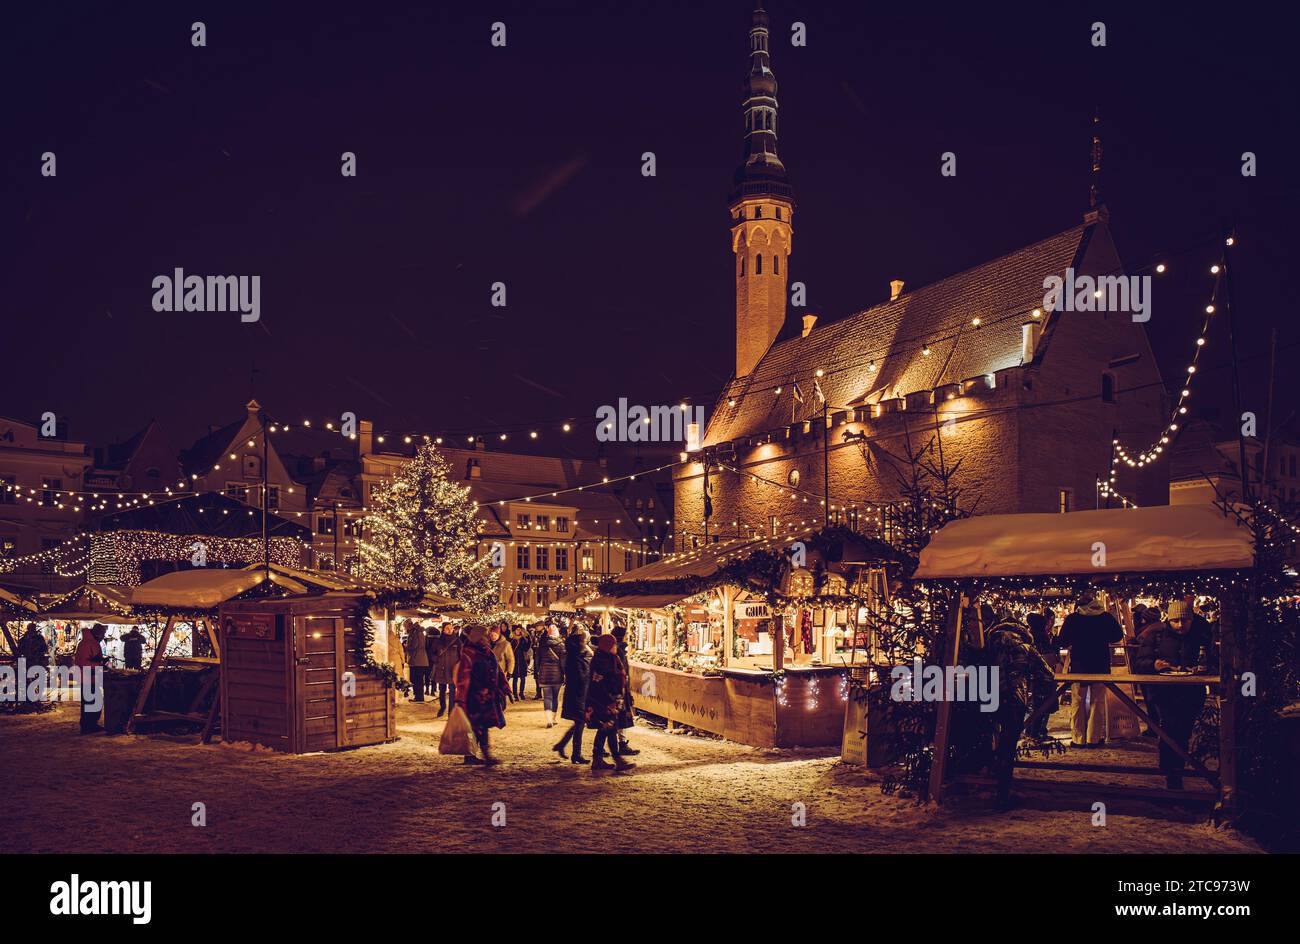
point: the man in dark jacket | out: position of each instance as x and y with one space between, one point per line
434 642
1088 633
1170 646
577 672
443 670
133 649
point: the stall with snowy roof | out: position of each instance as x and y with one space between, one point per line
294 649
752 639
1162 552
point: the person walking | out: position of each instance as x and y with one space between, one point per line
417 657
577 672
549 672
90 659
481 689
1174 645
1088 633
523 646
605 691
504 653
443 670
626 718
434 641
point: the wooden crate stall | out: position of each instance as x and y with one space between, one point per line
292 678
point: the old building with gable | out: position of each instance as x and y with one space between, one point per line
1023 399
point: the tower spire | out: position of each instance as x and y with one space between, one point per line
1094 187
762 211
761 170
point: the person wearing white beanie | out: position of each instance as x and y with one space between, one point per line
1174 645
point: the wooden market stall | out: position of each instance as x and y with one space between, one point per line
295 674
1159 551
750 639
12 609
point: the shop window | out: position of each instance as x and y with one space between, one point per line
543 597
521 557
521 597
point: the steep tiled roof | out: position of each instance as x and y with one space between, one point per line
1001 293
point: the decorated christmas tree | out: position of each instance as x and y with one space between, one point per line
423 530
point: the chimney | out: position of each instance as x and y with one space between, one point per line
808 322
1029 334
895 288
473 470
365 437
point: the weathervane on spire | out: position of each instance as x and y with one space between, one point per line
1094 190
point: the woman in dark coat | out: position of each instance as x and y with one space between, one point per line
523 646
577 670
481 689
605 701
626 719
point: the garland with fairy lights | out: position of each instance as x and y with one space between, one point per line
116 556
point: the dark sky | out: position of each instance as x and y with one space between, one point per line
522 165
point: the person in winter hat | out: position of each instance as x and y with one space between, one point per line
1088 633
604 708
1173 645
504 653
90 659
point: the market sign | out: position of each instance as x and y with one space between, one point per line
250 626
753 611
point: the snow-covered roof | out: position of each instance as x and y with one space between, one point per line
204 588
1132 540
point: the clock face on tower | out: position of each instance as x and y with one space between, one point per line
793 478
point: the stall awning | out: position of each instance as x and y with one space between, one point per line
204 589
706 561
99 602
1134 540
10 600
635 602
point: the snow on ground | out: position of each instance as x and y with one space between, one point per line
68 793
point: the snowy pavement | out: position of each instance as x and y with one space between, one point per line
67 793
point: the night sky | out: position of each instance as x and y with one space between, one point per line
523 165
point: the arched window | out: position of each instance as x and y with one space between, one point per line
776 264
1107 388
758 264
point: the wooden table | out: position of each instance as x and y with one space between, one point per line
1113 682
